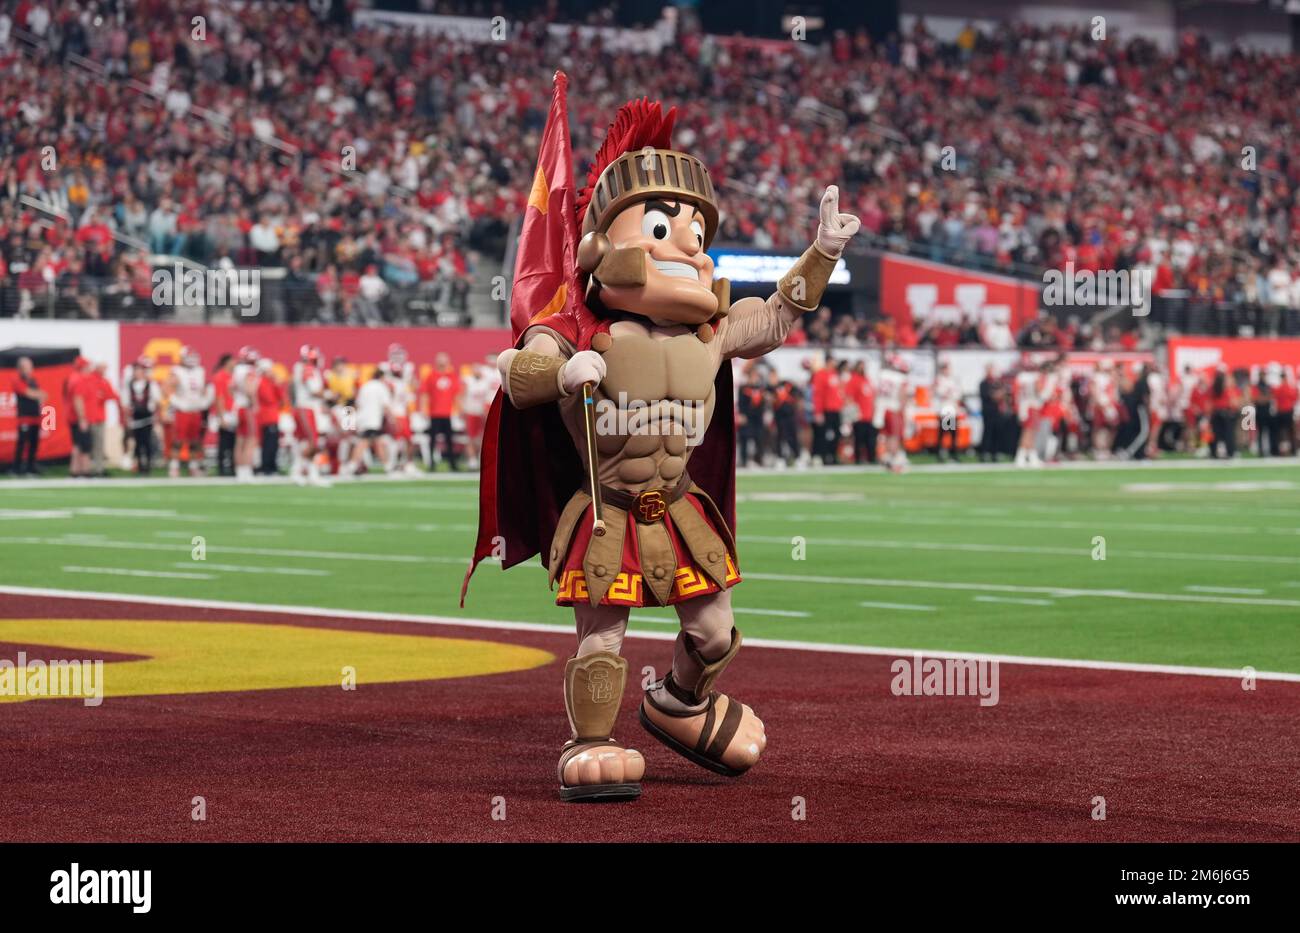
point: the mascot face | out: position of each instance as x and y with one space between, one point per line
679 273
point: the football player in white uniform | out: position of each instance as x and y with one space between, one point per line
1028 410
191 397
891 411
480 388
402 381
310 416
1103 402
243 389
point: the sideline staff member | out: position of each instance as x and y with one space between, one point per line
30 398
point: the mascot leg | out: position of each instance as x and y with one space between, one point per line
684 712
593 766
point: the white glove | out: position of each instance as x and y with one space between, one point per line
835 229
584 366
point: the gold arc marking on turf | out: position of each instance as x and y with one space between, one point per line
223 657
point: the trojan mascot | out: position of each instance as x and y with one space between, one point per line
611 450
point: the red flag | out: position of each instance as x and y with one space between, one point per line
546 269
546 282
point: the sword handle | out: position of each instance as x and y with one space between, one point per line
593 464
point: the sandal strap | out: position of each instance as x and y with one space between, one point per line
726 731
710 714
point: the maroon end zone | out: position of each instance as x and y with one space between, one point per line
1178 758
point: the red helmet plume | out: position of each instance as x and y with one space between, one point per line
639 124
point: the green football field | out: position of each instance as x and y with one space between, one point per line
1201 564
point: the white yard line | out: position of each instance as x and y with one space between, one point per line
979 520
126 572
328 524
785 613
1059 592
493 624
1230 590
228 549
913 607
98 541
242 568
995 548
1053 591
1020 601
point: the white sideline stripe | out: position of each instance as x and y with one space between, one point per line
915 607
947 469
244 568
1013 599
1055 591
124 572
32 514
1234 590
827 648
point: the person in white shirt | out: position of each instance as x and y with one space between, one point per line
374 400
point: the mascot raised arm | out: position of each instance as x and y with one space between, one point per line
613 452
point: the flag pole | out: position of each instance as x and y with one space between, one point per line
593 463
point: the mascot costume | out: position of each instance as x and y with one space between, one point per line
610 450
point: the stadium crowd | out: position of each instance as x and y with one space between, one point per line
249 415
386 163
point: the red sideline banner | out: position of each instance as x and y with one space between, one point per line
361 346
914 292
1251 354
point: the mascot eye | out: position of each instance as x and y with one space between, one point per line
655 224
698 230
